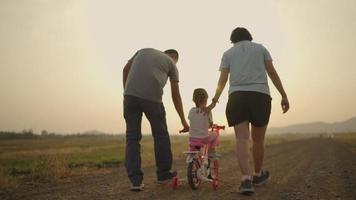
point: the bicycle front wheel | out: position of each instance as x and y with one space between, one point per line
192 173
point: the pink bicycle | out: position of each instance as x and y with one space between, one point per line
201 167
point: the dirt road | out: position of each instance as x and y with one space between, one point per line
304 169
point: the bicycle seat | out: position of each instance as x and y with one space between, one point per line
196 144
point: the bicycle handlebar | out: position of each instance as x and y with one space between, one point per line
214 127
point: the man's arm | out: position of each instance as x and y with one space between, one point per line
125 72
177 101
273 75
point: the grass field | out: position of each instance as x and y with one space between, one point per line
349 139
21 156
50 159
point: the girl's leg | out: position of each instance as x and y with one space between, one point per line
242 133
213 141
195 144
258 136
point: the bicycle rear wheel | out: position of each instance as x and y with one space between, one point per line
192 173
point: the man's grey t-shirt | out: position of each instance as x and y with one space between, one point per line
149 73
246 62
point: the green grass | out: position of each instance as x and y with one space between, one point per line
21 154
349 139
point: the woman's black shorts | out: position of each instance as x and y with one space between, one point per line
254 107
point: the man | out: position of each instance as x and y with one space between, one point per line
144 77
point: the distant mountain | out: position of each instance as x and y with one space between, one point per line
317 127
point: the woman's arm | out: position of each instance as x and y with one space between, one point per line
273 75
224 76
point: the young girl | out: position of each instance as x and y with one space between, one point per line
200 123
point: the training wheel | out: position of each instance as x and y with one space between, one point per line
175 183
215 184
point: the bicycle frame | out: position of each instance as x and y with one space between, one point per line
203 160
204 154
204 168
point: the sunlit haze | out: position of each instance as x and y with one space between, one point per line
61 61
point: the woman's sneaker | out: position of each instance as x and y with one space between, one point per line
246 187
260 180
137 188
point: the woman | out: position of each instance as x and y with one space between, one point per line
248 64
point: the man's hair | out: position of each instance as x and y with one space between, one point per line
172 51
240 34
199 96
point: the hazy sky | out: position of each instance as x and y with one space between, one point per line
61 60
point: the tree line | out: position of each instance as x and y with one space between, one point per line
30 134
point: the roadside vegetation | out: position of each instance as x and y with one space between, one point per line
31 158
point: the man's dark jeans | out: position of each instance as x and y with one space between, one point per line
156 115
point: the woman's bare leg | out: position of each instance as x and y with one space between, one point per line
258 137
242 133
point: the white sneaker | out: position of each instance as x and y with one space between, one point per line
137 188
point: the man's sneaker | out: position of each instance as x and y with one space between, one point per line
168 179
260 180
246 187
137 188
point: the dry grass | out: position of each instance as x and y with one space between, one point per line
49 168
348 139
7 182
49 160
